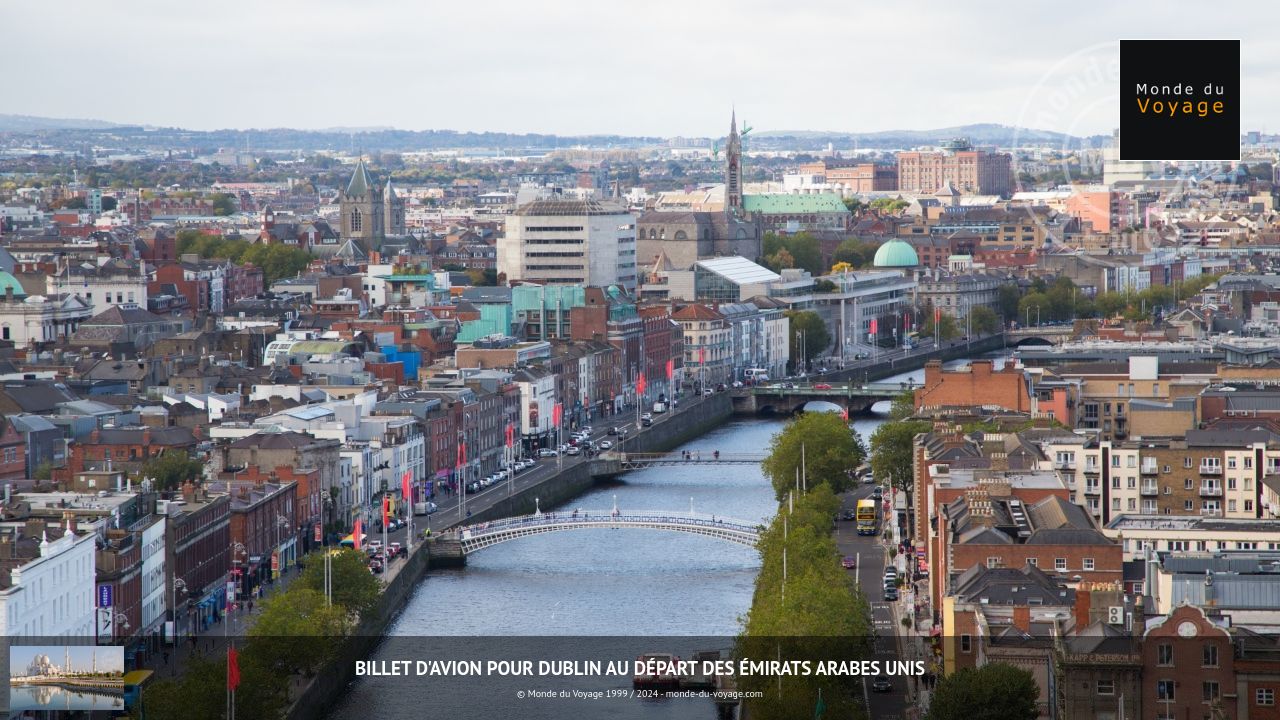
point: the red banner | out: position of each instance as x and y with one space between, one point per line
702 356
640 384
319 536
356 535
510 434
462 454
937 316
671 369
386 509
233 669
557 413
406 486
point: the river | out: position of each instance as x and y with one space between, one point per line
569 586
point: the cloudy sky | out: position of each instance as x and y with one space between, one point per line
661 67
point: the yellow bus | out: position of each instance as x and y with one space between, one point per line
868 518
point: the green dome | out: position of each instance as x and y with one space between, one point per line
895 254
8 281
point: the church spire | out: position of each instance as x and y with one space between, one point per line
733 167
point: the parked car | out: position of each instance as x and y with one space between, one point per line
890 594
375 567
573 450
881 684
849 562
547 452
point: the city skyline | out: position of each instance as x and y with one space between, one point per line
596 70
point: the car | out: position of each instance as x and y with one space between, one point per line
890 594
850 515
547 452
605 444
737 383
646 416
613 430
708 391
822 386
473 487
375 545
573 450
849 562
881 684
375 567
646 422
394 549
563 447
588 430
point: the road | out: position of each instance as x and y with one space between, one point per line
448 513
870 554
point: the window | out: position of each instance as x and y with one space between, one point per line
1164 654
1210 690
1186 484
1088 563
966 643
1164 690
993 562
1132 505
1210 655
1033 562
1059 563
1106 687
1231 463
1188 505
1186 462
1265 696
1248 506
1231 483
1115 482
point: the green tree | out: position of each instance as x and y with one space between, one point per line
892 457
172 468
816 336
946 329
1110 304
983 320
43 471
297 631
354 587
223 204
889 205
856 252
802 247
995 691
854 204
1035 306
109 203
1009 295
829 451
277 261
903 406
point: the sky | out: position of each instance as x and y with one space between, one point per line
658 68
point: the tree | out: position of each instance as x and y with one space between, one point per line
816 336
1009 295
297 631
903 406
801 247
172 468
780 260
829 451
995 691
983 320
277 261
109 203
946 329
223 204
892 458
71 203
1034 307
856 252
354 587
854 204
889 205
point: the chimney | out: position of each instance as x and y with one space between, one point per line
1022 618
33 528
932 373
1084 603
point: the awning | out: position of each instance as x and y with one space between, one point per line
442 474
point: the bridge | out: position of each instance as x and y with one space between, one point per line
1043 335
853 398
639 461
472 538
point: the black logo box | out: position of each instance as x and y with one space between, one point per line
1185 68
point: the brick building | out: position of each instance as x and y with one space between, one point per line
978 384
260 522
969 170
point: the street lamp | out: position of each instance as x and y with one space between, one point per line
178 584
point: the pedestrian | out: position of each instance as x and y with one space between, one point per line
250 604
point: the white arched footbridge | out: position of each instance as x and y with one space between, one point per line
483 535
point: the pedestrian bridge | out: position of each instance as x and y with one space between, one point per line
851 397
637 461
483 535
